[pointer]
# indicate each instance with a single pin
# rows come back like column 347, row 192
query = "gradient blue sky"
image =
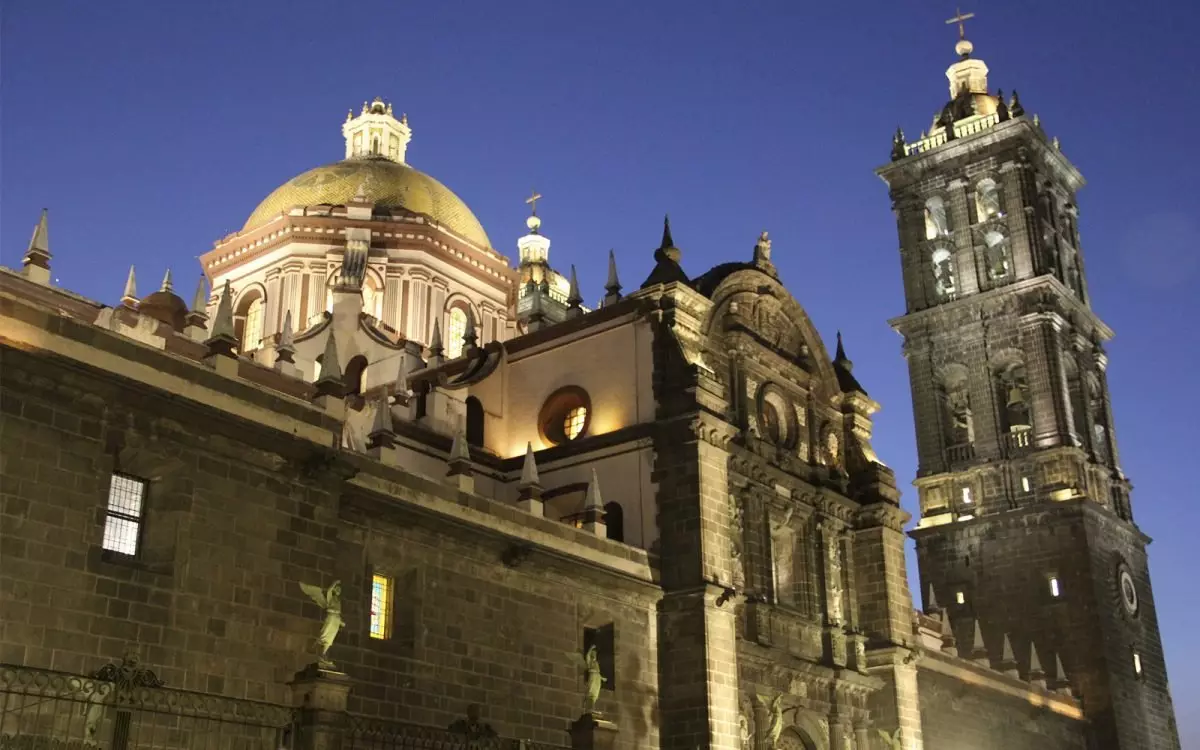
column 151, row 129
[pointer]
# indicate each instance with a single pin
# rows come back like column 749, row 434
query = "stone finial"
column 129, row 297
column 931, row 604
column 898, row 146
column 612, row 287
column 1060, row 683
column 437, row 354
column 459, row 470
column 529, row 489
column 949, row 642
column 668, row 242
column 1014, row 105
column 1002, row 112
column 1037, row 677
column 593, row 508
column 196, row 319
column 979, row 653
column 403, row 391
column 1008, row 662
column 382, row 434
column 574, row 298
column 470, row 338
column 167, row 286
column 841, row 359
column 35, row 266
column 285, row 347
column 221, row 340
column 331, row 382
column 1057, row 144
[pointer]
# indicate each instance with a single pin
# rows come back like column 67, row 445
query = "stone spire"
column 331, row 383
column 979, row 653
column 285, row 348
column 612, row 287
column 129, row 297
column 842, row 366
column 436, row 353
column 1014, row 105
column 574, row 298
column 470, row 338
column 949, row 642
column 899, row 147
column 36, row 264
column 666, row 260
column 931, row 604
column 196, row 320
column 593, row 509
column 1008, row 662
column 1060, row 684
column 529, row 489
column 460, row 472
column 221, row 340
column 1036, row 676
column 382, row 434
column 167, row 286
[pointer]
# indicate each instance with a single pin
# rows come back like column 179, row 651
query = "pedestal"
column 592, row 732
column 319, row 695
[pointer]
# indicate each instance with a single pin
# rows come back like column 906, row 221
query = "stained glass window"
column 122, row 525
column 381, row 605
column 574, row 421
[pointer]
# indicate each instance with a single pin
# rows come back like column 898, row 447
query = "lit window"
column 966, row 516
column 124, row 518
column 455, row 329
column 574, row 422
column 1025, row 484
column 1137, row 664
column 252, row 328
column 966, row 496
column 381, row 605
column 1054, row 590
column 960, row 597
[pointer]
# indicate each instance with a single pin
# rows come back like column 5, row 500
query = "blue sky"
column 152, row 129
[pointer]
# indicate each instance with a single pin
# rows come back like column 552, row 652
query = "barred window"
column 126, row 506
column 381, row 606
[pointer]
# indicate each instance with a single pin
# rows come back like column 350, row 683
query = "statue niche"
column 987, row 199
column 945, row 279
column 997, row 255
column 1014, row 391
column 936, row 222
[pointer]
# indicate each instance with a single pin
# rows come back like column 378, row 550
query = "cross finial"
column 532, row 200
column 959, row 17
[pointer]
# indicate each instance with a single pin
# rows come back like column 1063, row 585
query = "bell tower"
column 1026, row 524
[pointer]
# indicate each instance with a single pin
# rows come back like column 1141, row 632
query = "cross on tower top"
column 532, row 200
column 959, row 17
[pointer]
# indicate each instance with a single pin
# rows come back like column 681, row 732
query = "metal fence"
column 364, row 733
column 123, row 707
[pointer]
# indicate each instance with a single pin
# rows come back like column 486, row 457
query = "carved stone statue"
column 592, row 678
column 329, row 600
column 774, row 718
column 943, row 275
column 779, row 524
column 998, row 258
column 961, row 418
column 890, row 741
column 744, row 732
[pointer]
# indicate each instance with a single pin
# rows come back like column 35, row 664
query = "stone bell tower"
column 1026, row 523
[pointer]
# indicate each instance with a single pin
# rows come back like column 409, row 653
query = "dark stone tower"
column 1026, row 523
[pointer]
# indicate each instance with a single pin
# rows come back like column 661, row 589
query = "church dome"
column 386, row 183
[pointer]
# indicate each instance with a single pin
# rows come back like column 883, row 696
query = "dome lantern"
column 376, row 133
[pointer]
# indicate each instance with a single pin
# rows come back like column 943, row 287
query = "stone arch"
column 250, row 316
column 355, row 374
column 795, row 738
column 475, row 422
column 988, row 198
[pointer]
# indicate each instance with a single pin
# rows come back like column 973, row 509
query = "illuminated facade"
column 500, row 479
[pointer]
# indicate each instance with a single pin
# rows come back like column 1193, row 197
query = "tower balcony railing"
column 962, row 128
column 1019, row 442
column 957, row 454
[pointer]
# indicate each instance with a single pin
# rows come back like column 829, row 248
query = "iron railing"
column 363, row 733
column 123, row 707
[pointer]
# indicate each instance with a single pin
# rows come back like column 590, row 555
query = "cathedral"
column 376, row 485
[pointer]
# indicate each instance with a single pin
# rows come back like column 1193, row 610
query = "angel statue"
column 330, row 601
column 774, row 719
column 592, row 679
column 890, row 741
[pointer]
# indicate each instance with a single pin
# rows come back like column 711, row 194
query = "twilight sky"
column 151, row 129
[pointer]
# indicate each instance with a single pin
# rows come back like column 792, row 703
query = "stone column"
column 1047, row 384
column 319, row 696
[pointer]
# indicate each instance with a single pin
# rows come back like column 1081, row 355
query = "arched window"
column 456, row 328
column 354, row 374
column 614, row 520
column 936, row 222
column 252, row 327
column 945, row 280
column 987, row 199
column 474, row 422
column 1014, row 394
column 999, row 259
column 375, row 145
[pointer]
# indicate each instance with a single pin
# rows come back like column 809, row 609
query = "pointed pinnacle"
column 1035, row 664
column 977, row 644
column 40, row 242
column 931, row 602
column 223, row 324
column 529, row 470
column 199, row 302
column 285, row 335
column 470, row 337
column 574, row 298
column 383, row 417
column 1006, row 650
column 667, row 241
column 166, row 284
column 331, row 368
column 129, row 296
column 613, row 285
column 1060, row 675
column 593, row 501
column 435, row 342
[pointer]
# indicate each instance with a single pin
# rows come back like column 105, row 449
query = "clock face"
column 1129, row 596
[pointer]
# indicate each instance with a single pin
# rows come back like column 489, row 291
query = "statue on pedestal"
column 593, row 680
column 330, row 601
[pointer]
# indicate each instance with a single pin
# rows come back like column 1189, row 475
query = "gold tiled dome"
column 383, row 182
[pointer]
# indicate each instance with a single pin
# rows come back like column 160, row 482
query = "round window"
column 565, row 416
column 1129, row 595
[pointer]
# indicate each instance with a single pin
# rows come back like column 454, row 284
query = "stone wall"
column 238, row 513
